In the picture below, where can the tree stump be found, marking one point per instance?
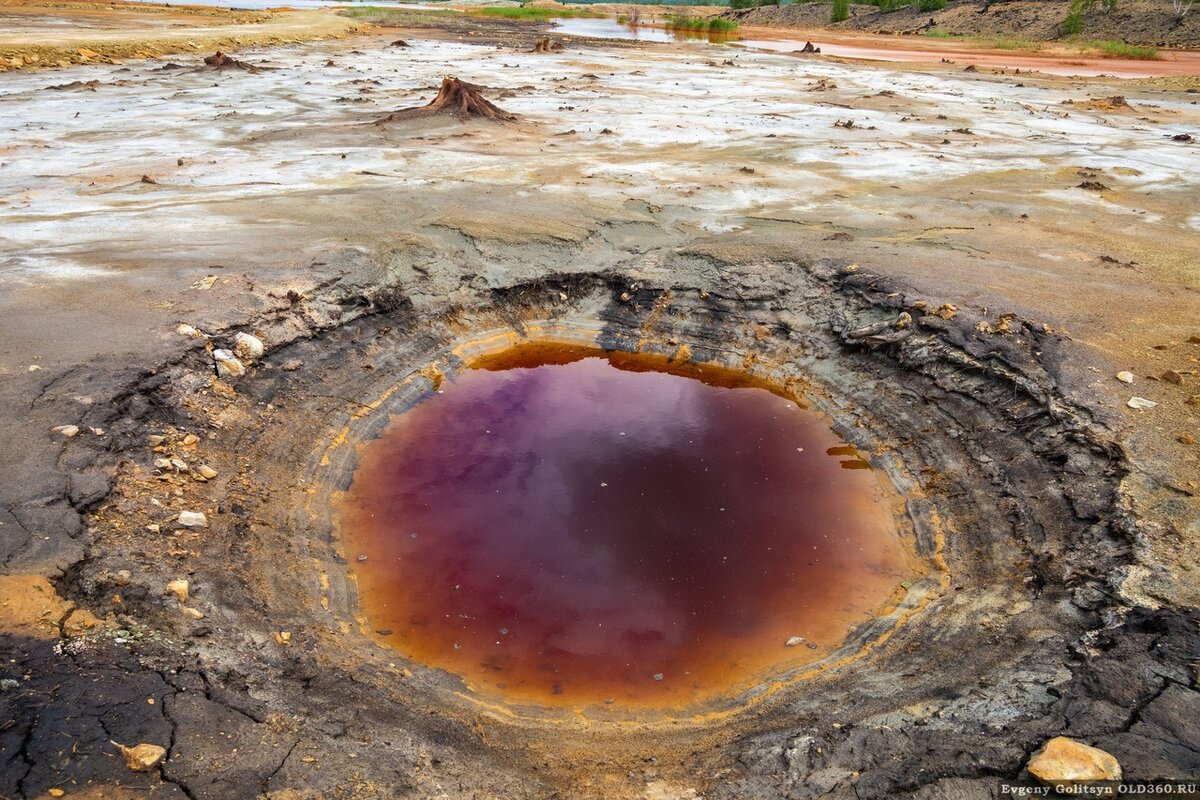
(456, 97)
(219, 60)
(545, 45)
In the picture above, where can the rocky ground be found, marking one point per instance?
(724, 205)
(1142, 22)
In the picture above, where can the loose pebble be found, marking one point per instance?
(192, 519)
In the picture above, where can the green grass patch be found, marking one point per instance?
(529, 13)
(397, 17)
(1114, 48)
(683, 22)
(940, 34)
(1009, 43)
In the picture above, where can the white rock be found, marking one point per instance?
(795, 641)
(228, 365)
(1140, 402)
(206, 472)
(247, 346)
(68, 431)
(188, 330)
(193, 519)
(1125, 377)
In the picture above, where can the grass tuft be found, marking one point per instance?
(396, 17)
(684, 22)
(529, 13)
(1114, 48)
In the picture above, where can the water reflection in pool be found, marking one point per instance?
(612, 29)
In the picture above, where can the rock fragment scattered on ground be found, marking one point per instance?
(179, 588)
(142, 757)
(228, 365)
(247, 346)
(1140, 403)
(1063, 761)
(192, 519)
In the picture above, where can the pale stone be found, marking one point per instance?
(1065, 761)
(193, 519)
(228, 365)
(247, 346)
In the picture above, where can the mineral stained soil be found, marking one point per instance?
(577, 534)
(950, 267)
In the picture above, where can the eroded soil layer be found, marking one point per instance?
(575, 534)
(1016, 496)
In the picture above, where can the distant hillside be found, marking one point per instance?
(1142, 22)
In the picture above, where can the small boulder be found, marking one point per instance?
(192, 519)
(1140, 403)
(1063, 761)
(795, 641)
(1125, 377)
(69, 431)
(248, 347)
(228, 365)
(189, 331)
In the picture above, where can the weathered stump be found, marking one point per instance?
(545, 45)
(455, 97)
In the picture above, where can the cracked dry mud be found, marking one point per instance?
(715, 225)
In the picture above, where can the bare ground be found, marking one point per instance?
(743, 227)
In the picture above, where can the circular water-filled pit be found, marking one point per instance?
(816, 456)
(574, 527)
